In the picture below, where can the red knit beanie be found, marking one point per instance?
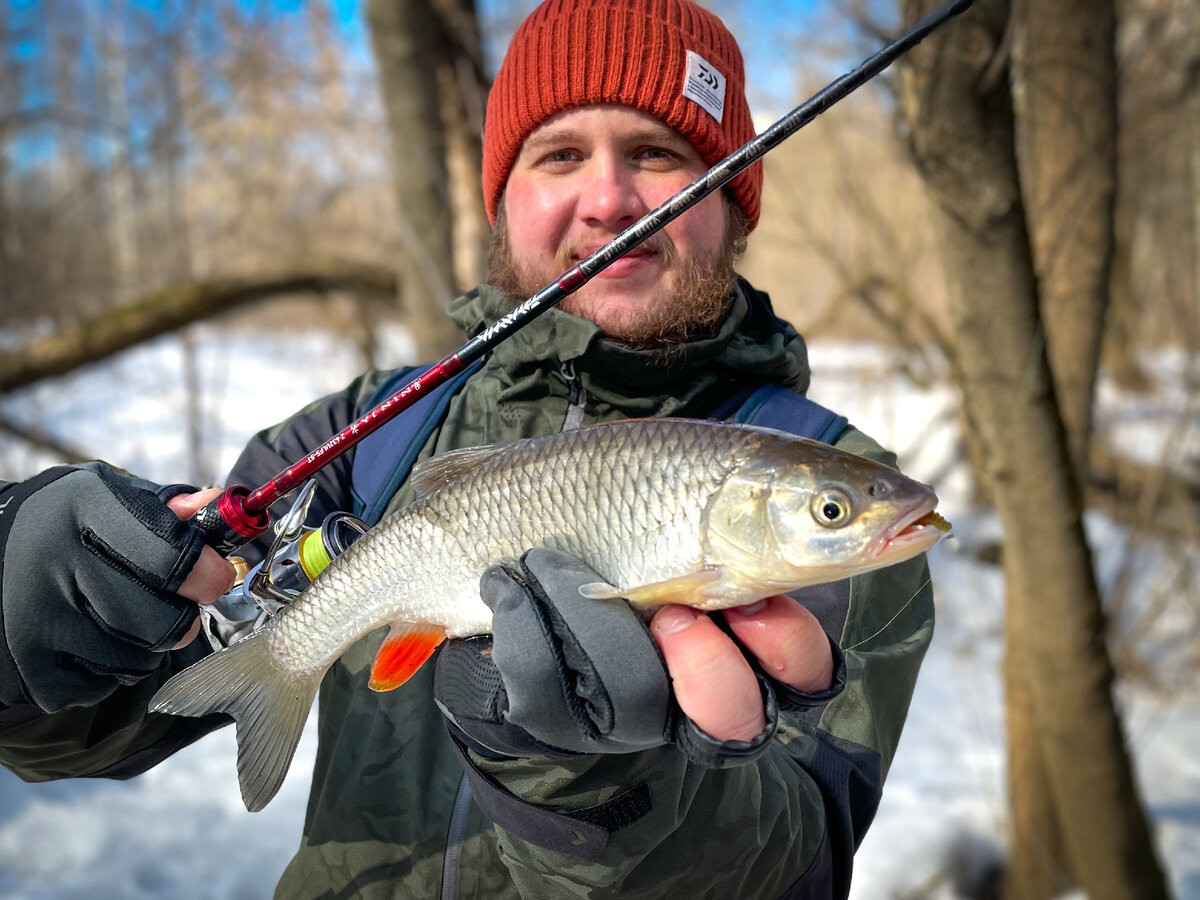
(669, 58)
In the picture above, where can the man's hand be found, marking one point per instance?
(212, 575)
(715, 686)
(100, 574)
(563, 675)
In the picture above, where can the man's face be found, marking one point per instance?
(581, 178)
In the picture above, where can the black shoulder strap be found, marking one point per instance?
(383, 460)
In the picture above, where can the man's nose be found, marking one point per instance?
(609, 196)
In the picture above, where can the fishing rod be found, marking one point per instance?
(240, 514)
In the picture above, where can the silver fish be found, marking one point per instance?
(665, 510)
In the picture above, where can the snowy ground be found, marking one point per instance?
(180, 831)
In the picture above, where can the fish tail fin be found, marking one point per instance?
(268, 703)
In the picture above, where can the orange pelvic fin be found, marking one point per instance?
(402, 652)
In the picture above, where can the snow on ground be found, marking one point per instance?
(180, 831)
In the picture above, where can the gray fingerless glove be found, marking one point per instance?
(90, 560)
(564, 675)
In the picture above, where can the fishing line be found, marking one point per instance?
(924, 585)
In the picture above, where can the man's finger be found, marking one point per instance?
(713, 684)
(788, 641)
(187, 505)
(212, 575)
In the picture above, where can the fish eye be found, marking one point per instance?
(831, 508)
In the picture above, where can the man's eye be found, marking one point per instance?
(556, 157)
(658, 158)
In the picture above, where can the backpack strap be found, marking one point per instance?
(775, 406)
(383, 460)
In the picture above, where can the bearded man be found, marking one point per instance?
(483, 777)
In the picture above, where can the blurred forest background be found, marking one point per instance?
(1013, 210)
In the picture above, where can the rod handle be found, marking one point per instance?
(227, 523)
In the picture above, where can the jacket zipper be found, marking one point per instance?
(576, 396)
(455, 835)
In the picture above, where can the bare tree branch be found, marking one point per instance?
(166, 311)
(38, 439)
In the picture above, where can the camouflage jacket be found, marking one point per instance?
(389, 815)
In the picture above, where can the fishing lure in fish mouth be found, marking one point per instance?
(665, 510)
(936, 521)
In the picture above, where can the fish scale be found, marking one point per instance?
(664, 510)
(522, 515)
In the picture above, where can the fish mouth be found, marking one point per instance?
(913, 531)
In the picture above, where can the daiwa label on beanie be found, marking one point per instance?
(705, 85)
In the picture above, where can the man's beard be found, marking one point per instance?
(692, 310)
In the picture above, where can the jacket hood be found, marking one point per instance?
(751, 346)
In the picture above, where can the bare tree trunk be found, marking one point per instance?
(406, 35)
(174, 167)
(8, 243)
(62, 64)
(1193, 339)
(960, 117)
(1065, 93)
(1039, 864)
(123, 218)
(463, 87)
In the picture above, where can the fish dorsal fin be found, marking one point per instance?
(672, 590)
(402, 652)
(431, 475)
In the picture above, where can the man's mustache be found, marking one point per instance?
(659, 244)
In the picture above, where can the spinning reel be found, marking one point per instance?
(297, 555)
